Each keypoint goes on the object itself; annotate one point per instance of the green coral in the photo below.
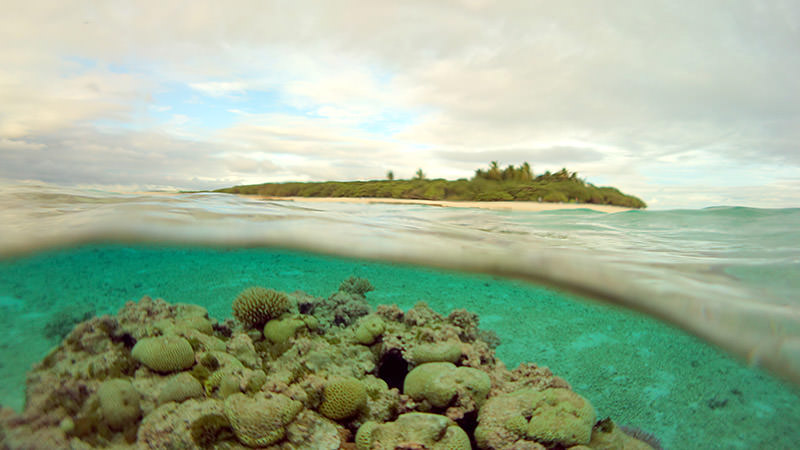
(370, 328)
(119, 403)
(363, 438)
(179, 388)
(417, 430)
(554, 416)
(231, 380)
(209, 429)
(439, 383)
(560, 416)
(280, 330)
(606, 435)
(261, 420)
(343, 398)
(222, 375)
(256, 305)
(357, 286)
(449, 351)
(164, 353)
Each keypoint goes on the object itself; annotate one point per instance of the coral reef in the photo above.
(425, 431)
(343, 398)
(119, 403)
(369, 329)
(356, 285)
(442, 384)
(179, 388)
(164, 353)
(328, 374)
(260, 420)
(340, 309)
(256, 305)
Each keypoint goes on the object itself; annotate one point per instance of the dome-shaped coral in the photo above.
(256, 305)
(260, 421)
(343, 398)
(449, 351)
(179, 388)
(439, 383)
(280, 330)
(560, 416)
(369, 329)
(164, 353)
(554, 416)
(119, 403)
(422, 430)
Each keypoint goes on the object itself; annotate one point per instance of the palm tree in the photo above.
(510, 173)
(494, 172)
(525, 172)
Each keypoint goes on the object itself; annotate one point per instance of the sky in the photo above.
(685, 104)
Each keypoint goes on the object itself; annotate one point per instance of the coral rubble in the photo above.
(294, 372)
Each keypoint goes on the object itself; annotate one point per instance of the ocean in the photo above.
(682, 323)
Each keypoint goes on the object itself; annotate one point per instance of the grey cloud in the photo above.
(557, 155)
(83, 156)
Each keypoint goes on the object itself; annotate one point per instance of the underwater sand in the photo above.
(637, 370)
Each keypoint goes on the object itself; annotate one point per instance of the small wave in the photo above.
(698, 269)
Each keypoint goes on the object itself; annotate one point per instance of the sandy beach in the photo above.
(496, 206)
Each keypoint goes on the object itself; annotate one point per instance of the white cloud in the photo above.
(647, 96)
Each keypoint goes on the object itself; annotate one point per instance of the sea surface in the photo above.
(683, 323)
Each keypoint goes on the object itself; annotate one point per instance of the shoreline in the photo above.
(494, 206)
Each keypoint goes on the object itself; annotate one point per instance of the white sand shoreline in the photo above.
(495, 206)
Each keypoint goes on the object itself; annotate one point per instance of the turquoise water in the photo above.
(69, 254)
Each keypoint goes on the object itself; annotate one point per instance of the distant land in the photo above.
(493, 184)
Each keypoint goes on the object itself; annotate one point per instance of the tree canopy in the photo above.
(492, 184)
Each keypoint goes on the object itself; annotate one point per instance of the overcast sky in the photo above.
(682, 103)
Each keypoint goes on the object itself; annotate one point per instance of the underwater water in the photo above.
(563, 289)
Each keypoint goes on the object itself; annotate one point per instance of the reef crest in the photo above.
(295, 371)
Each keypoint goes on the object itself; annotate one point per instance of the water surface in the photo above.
(727, 275)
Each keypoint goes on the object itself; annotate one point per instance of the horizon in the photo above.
(683, 105)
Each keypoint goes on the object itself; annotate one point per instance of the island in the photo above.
(491, 185)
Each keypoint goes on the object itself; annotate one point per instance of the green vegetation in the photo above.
(494, 184)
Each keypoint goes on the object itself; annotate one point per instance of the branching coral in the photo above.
(256, 305)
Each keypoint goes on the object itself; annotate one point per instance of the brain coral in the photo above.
(119, 403)
(560, 416)
(413, 430)
(261, 420)
(554, 416)
(343, 398)
(256, 305)
(440, 382)
(179, 388)
(164, 353)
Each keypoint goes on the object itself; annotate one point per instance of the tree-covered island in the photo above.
(493, 184)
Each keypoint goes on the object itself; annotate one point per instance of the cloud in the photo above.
(42, 103)
(84, 156)
(777, 194)
(549, 156)
(646, 96)
(220, 88)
